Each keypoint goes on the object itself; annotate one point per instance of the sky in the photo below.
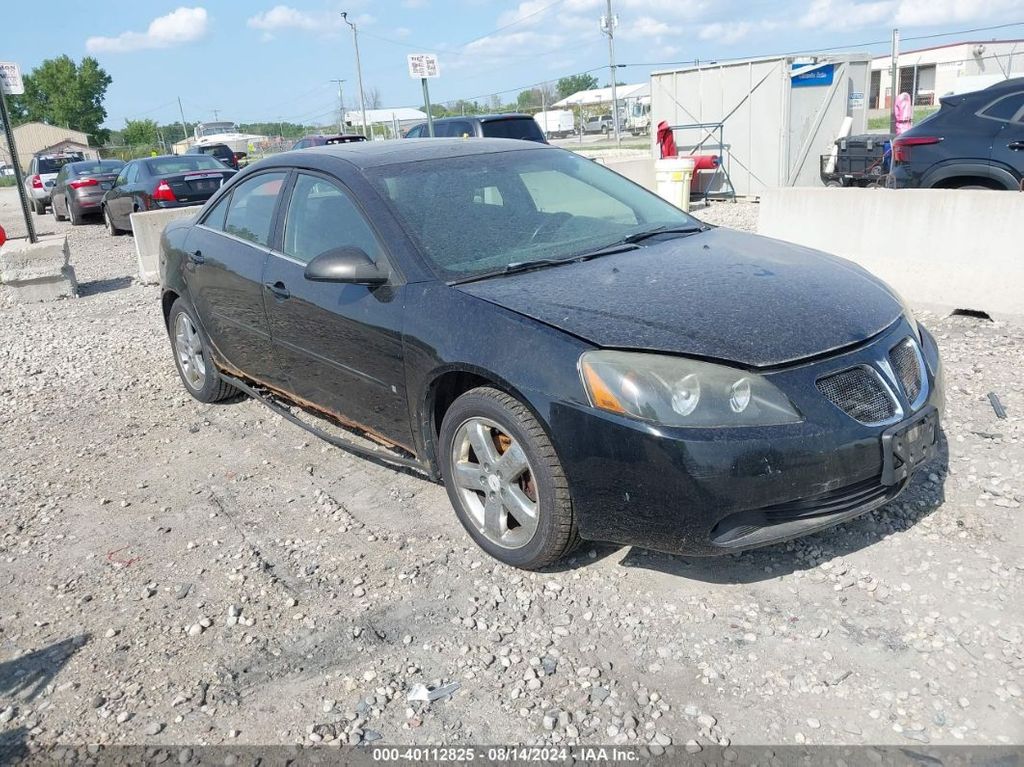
(250, 60)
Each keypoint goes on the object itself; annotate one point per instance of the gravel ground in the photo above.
(174, 573)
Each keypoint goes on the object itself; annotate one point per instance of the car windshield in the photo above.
(481, 213)
(96, 168)
(520, 127)
(183, 164)
(54, 164)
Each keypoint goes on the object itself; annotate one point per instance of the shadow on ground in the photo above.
(96, 287)
(24, 678)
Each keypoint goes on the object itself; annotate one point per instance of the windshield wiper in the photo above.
(640, 236)
(517, 267)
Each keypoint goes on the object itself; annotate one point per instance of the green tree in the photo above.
(529, 98)
(575, 83)
(139, 132)
(61, 92)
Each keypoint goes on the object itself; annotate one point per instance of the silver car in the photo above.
(42, 173)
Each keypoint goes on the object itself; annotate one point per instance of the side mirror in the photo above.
(350, 265)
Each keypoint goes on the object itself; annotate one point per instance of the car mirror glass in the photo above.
(346, 264)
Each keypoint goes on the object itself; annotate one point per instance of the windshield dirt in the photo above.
(478, 214)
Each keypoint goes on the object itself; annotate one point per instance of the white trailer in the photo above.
(778, 114)
(556, 123)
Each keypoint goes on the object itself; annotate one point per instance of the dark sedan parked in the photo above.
(318, 140)
(522, 127)
(222, 152)
(79, 188)
(166, 181)
(974, 141)
(574, 356)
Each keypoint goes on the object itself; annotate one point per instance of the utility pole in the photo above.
(894, 76)
(359, 72)
(341, 107)
(181, 112)
(608, 24)
(19, 179)
(216, 114)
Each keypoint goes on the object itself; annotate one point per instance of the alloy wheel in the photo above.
(189, 347)
(495, 483)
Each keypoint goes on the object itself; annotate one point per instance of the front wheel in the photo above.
(505, 480)
(195, 367)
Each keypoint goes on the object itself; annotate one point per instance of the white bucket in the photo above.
(673, 176)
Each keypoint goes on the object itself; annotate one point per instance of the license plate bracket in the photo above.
(908, 445)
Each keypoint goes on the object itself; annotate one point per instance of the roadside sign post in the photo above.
(423, 66)
(11, 84)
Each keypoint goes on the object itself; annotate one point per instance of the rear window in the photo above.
(183, 164)
(525, 128)
(54, 164)
(96, 168)
(217, 151)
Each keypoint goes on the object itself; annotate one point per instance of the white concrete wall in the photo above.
(639, 170)
(951, 248)
(147, 228)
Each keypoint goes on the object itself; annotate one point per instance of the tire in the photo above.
(75, 218)
(501, 417)
(195, 367)
(39, 206)
(56, 215)
(112, 230)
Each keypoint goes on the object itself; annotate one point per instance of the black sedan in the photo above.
(79, 188)
(572, 355)
(165, 181)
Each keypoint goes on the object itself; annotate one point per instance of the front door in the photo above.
(227, 252)
(340, 345)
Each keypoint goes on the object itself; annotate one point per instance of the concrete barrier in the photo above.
(38, 272)
(951, 248)
(147, 228)
(639, 171)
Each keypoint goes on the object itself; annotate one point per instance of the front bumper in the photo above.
(715, 491)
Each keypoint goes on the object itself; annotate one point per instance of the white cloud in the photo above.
(414, 3)
(284, 17)
(850, 14)
(726, 33)
(183, 25)
(401, 32)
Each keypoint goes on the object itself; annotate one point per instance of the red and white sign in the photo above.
(10, 78)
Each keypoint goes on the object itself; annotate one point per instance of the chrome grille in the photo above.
(906, 361)
(859, 393)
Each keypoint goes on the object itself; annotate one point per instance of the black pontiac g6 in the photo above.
(571, 355)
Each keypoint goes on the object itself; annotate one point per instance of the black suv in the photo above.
(974, 141)
(482, 126)
(222, 152)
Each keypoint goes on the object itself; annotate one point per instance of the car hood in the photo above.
(721, 294)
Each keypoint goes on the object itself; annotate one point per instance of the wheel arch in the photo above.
(953, 175)
(446, 385)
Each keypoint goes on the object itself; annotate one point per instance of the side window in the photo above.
(456, 129)
(1005, 108)
(122, 177)
(215, 218)
(133, 173)
(556, 192)
(302, 144)
(321, 217)
(251, 210)
(416, 132)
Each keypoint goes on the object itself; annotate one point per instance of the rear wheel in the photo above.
(73, 215)
(53, 207)
(39, 206)
(505, 480)
(195, 367)
(112, 229)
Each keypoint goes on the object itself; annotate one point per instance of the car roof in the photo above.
(370, 154)
(484, 118)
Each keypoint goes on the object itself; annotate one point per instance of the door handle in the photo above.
(196, 257)
(278, 289)
(1016, 146)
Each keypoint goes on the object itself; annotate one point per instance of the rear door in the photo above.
(119, 201)
(1008, 143)
(340, 345)
(227, 252)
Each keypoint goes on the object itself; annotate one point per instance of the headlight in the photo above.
(674, 391)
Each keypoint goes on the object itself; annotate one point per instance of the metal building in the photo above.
(775, 116)
(38, 137)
